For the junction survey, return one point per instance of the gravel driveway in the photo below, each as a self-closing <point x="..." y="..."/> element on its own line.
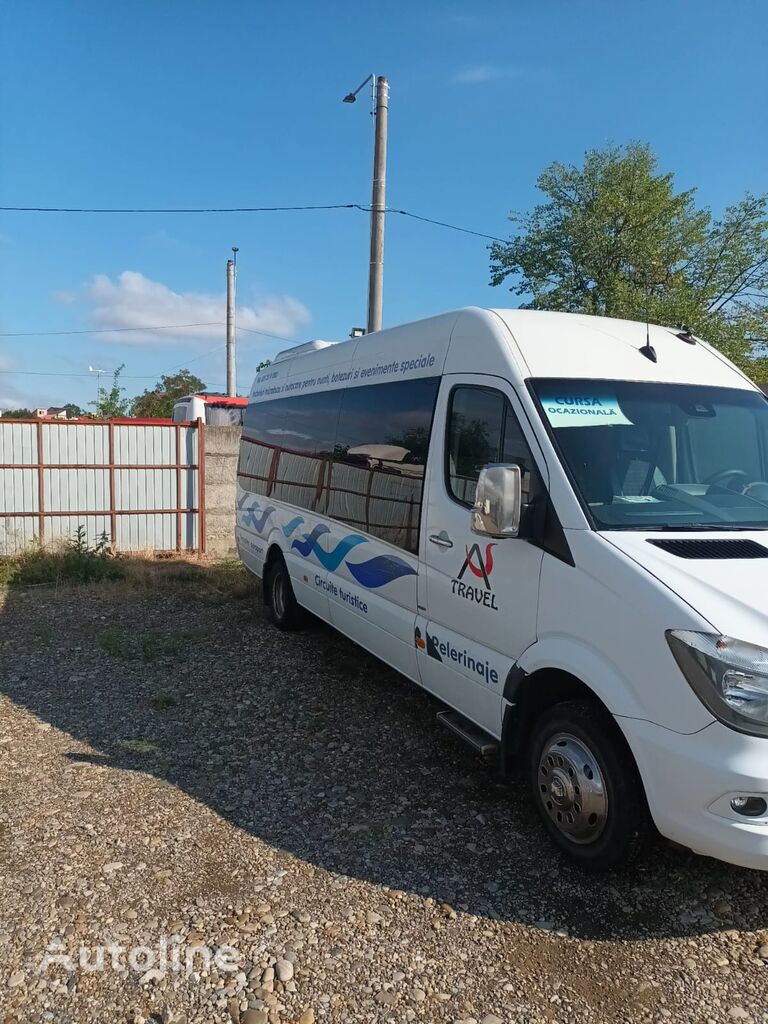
<point x="250" y="828"/>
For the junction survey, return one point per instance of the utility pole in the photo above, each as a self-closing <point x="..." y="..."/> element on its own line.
<point x="378" y="206"/>
<point x="231" y="369"/>
<point x="378" y="197"/>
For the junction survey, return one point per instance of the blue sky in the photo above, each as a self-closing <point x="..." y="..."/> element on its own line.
<point x="191" y="103"/>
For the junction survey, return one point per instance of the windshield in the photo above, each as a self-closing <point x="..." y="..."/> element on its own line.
<point x="662" y="456"/>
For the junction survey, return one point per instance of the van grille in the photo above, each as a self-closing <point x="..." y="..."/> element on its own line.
<point x="699" y="548"/>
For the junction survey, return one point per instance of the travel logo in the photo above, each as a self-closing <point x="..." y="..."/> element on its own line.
<point x="479" y="566"/>
<point x="444" y="650"/>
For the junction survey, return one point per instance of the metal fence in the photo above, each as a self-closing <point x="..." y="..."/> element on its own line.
<point x="139" y="483"/>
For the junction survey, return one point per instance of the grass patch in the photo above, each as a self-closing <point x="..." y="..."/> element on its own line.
<point x="226" y="577"/>
<point x="149" y="646"/>
<point x="76" y="562"/>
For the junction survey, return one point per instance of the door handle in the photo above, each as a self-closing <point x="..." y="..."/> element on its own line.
<point x="441" y="539"/>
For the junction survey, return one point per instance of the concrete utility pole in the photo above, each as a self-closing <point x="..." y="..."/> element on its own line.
<point x="231" y="369"/>
<point x="378" y="198"/>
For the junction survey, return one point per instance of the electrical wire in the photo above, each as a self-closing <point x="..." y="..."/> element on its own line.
<point x="120" y="330"/>
<point x="445" y="224"/>
<point x="106" y="330"/>
<point x="160" y="209"/>
<point x="251" y="209"/>
<point x="265" y="334"/>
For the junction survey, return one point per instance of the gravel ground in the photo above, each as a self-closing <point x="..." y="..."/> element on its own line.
<point x="174" y="771"/>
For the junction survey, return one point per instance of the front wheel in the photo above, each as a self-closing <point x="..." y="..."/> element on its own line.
<point x="586" y="786"/>
<point x="284" y="610"/>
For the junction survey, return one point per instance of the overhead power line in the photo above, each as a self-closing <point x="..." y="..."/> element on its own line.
<point x="265" y="334"/>
<point x="250" y="209"/>
<point x="445" y="224"/>
<point x="120" y="330"/>
<point x="105" y="330"/>
<point x="183" y="209"/>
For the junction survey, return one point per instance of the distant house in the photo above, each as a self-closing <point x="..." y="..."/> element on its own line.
<point x="55" y="412"/>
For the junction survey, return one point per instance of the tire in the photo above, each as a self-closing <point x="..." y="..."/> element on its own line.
<point x="284" y="610"/>
<point x="586" y="786"/>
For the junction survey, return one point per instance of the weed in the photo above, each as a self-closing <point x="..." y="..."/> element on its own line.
<point x="77" y="561"/>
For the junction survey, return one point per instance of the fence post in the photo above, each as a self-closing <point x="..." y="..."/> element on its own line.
<point x="40" y="486"/>
<point x="178" y="487"/>
<point x="112" y="495"/>
<point x="200" y="486"/>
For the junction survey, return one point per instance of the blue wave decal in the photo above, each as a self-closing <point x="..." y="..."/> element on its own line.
<point x="330" y="560"/>
<point x="378" y="571"/>
<point x="306" y="546"/>
<point x="293" y="525"/>
<point x="259" y="522"/>
<point x="251" y="516"/>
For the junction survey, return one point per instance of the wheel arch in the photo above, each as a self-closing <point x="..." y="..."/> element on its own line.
<point x="274" y="552"/>
<point x="528" y="694"/>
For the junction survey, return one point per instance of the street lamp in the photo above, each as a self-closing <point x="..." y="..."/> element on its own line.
<point x="378" y="196"/>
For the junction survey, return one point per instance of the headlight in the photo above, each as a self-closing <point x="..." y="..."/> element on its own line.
<point x="729" y="676"/>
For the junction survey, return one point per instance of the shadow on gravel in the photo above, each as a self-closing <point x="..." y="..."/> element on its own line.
<point x="318" y="749"/>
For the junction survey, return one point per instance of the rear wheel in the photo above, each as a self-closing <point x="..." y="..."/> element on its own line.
<point x="284" y="610"/>
<point x="586" y="786"/>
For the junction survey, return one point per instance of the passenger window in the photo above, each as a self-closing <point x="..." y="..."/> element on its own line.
<point x="482" y="428"/>
<point x="379" y="458"/>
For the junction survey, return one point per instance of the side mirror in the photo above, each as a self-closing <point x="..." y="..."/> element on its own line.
<point x="498" y="501"/>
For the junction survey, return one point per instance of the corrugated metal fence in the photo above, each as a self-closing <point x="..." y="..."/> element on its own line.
<point x="139" y="483"/>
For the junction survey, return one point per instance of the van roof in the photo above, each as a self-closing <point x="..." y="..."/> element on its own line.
<point x="577" y="345"/>
<point x="541" y="344"/>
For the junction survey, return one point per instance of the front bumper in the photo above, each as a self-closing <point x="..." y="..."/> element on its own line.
<point x="689" y="781"/>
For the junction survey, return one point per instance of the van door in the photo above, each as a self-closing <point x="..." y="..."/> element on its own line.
<point x="481" y="594"/>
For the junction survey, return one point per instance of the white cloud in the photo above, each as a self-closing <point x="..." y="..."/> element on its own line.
<point x="479" y="74"/>
<point x="135" y="301"/>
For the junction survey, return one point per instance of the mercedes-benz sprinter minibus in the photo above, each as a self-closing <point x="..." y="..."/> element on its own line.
<point x="557" y="525"/>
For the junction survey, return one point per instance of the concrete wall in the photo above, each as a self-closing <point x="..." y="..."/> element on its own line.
<point x="221" y="452"/>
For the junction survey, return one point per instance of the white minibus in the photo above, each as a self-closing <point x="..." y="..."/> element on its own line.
<point x="556" y="525"/>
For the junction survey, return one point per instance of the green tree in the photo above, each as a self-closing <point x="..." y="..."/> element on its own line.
<point x="614" y="238"/>
<point x="111" y="402"/>
<point x="74" y="412"/>
<point x="17" y="414"/>
<point x="159" y="401"/>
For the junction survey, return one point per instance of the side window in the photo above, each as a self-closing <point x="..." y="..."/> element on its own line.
<point x="483" y="428"/>
<point x="475" y="424"/>
<point x="379" y="458"/>
<point x="287" y="447"/>
<point x="357" y="455"/>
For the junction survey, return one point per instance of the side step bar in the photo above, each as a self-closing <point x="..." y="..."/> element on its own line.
<point x="477" y="738"/>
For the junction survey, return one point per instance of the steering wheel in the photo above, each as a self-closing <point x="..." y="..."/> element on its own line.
<point x="718" y="479"/>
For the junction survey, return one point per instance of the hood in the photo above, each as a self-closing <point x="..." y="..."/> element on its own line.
<point x="730" y="593"/>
